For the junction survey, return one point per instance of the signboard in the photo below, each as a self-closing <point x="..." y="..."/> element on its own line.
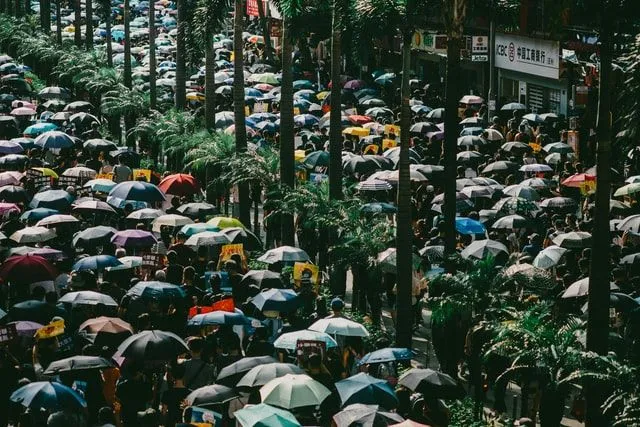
<point x="429" y="42"/>
<point x="53" y="329"/>
<point x="252" y="8"/>
<point x="479" y="45"/>
<point x="8" y="333"/>
<point x="260" y="107"/>
<point x="304" y="271"/>
<point x="142" y="174"/>
<point x="232" y="249"/>
<point x="392" y="129"/>
<point x="305" y="348"/>
<point x="479" y="58"/>
<point x="388" y="143"/>
<point x="526" y="55"/>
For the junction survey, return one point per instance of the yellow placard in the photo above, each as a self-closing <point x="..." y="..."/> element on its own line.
<point x="247" y="110"/>
<point x="142" y="173"/>
<point x="296" y="111"/>
<point x="588" y="186"/>
<point x="105" y="176"/>
<point x="371" y="149"/>
<point x="535" y="147"/>
<point x="228" y="250"/>
<point x="53" y="329"/>
<point x="388" y="143"/>
<point x="304" y="271"/>
<point x="301" y="174"/>
<point x="392" y="129"/>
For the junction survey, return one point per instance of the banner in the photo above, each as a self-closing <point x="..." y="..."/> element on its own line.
<point x="225" y="304"/>
<point x="305" y="272"/>
<point x="8" y="333"/>
<point x="105" y="176"/>
<point x="228" y="250"/>
<point x="142" y="173"/>
<point x="53" y="329"/>
<point x="252" y="8"/>
<point x="305" y="348"/>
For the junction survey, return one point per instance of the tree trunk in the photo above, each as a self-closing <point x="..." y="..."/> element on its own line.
<point x="209" y="81"/>
<point x="238" y="107"/>
<point x="9" y="7"/>
<point x="59" y="24"/>
<point x="404" y="236"/>
<point x="77" y="23"/>
<point x="450" y="143"/>
<point x="127" y="45"/>
<point x="551" y="408"/>
<point x="598" y="320"/>
<point x="107" y="28"/>
<point x="153" y="94"/>
<point x="257" y="192"/>
<point x="181" y="66"/>
<point x="18" y="8"/>
<point x="287" y="146"/>
<point x="335" y="126"/>
<point x="45" y="19"/>
<point x="89" y="23"/>
<point x="264" y="25"/>
<point x="27" y="8"/>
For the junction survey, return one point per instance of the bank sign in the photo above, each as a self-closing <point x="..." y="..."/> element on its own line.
<point x="527" y="55"/>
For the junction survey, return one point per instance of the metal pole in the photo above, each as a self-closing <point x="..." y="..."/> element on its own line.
<point x="492" y="69"/>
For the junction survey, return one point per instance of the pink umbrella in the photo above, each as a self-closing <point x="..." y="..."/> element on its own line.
<point x="10" y="178"/>
<point x="134" y="239"/>
<point x="18" y="103"/>
<point x="23" y="111"/>
<point x="5" y="208"/>
<point x="355" y="84"/>
<point x="26" y="328"/>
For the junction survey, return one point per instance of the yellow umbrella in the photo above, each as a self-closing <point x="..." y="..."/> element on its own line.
<point x="69" y="29"/>
<point x="225" y="222"/>
<point x="46" y="172"/>
<point x="322" y="95"/>
<point x="195" y="96"/>
<point x="299" y="155"/>
<point x="358" y="131"/>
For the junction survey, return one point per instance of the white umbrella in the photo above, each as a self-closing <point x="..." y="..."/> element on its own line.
<point x="57" y="219"/>
<point x="33" y="235"/>
<point x="88" y="298"/>
<point x="293" y="391"/>
<point x="477" y="191"/>
<point x="581" y="288"/>
<point x="480" y="249"/>
<point x="631" y="223"/>
<point x="573" y="240"/>
<point x="208" y="238"/>
<point x="284" y="254"/>
<point x="519" y="190"/>
<point x="536" y="167"/>
<point x="145" y="213"/>
<point x="80" y="171"/>
<point x="339" y="326"/>
<point x="128" y="262"/>
<point x="290" y="340"/>
<point x="549" y="257"/>
<point x="170" y="220"/>
<point x="510" y="222"/>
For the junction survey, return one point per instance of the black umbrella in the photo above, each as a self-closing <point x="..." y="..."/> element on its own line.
<point x="264" y="279"/>
<point x="79" y="106"/>
<point x="198" y="210"/>
<point x="13" y="194"/>
<point x="250" y="241"/>
<point x="211" y="395"/>
<point x="93" y="236"/>
<point x="33" y="310"/>
<point x="431" y="383"/>
<point x="230" y="375"/>
<point x="152" y="345"/>
<point x="78" y="363"/>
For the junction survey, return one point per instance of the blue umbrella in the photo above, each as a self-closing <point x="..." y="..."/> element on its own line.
<point x="302" y="84"/>
<point x="305" y="120"/>
<point x="37" y="214"/>
<point x="385" y="79"/>
<point x="289" y="341"/>
<point x="96" y="263"/>
<point x="54" y="139"/>
<point x="251" y="92"/>
<point x="390" y="354"/>
<point x="158" y="290"/>
<point x="137" y="190"/>
<point x="27" y="143"/>
<point x="39" y="128"/>
<point x="218" y="318"/>
<point x="52" y="199"/>
<point x="469" y="226"/>
<point x="191" y="229"/>
<point x="8" y="147"/>
<point x="263" y="415"/>
<point x="52" y="396"/>
<point x="267" y="126"/>
<point x="378" y="207"/>
<point x="282" y="300"/>
<point x="302" y="104"/>
<point x="365" y="389"/>
<point x="261" y="117"/>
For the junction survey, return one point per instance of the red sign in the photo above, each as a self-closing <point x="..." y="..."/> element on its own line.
<point x="252" y="7"/>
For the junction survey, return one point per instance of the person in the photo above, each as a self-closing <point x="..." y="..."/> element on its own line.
<point x="122" y="172"/>
<point x="173" y="271"/>
<point x="337" y="305"/>
<point x="133" y="393"/>
<point x="173" y="398"/>
<point x="198" y="373"/>
<point x="258" y="344"/>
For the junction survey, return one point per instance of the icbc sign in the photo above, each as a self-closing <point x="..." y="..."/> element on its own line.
<point x="527" y="55"/>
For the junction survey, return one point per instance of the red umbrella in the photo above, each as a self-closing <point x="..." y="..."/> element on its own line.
<point x="25" y="269"/>
<point x="359" y="120"/>
<point x="578" y="180"/>
<point x="179" y="184"/>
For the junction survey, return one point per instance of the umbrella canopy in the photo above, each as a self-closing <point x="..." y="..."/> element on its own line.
<point x="469" y="226"/>
<point x="152" y="345"/>
<point x="510" y="222"/>
<point x="13" y="194"/>
<point x="208" y="238"/>
<point x="54" y="139"/>
<point x="197" y="210"/>
<point x="378" y="207"/>
<point x="92" y="206"/>
<point x="134" y="239"/>
<point x="214" y="394"/>
<point x="101" y="184"/>
<point x="47" y="395"/>
<point x="390" y="354"/>
<point x="573" y="240"/>
<point x="33" y="235"/>
<point x="26" y="269"/>
<point x="580" y="288"/>
<point x="359" y="414"/>
<point x="78" y="363"/>
<point x="280" y="300"/>
<point x="262" y="374"/>
<point x="263" y="415"/>
<point x="88" y="298"/>
<point x="191" y="229"/>
<point x="137" y="190"/>
<point x="107" y="325"/>
<point x="294" y="391"/>
<point x="37" y="214"/>
<point x="480" y="249"/>
<point x="519" y="190"/>
<point x="290" y="340"/>
<point x="57" y="219"/>
<point x="93" y="236"/>
<point x="373" y="185"/>
<point x="223" y="222"/>
<point x="218" y="318"/>
<point x="363" y="388"/>
<point x="99" y="144"/>
<point x="170" y="220"/>
<point x="431" y="383"/>
<point x="145" y="214"/>
<point x="549" y="257"/>
<point x="264" y="279"/>
<point x="52" y="199"/>
<point x="558" y="203"/>
<point x="339" y="326"/>
<point x="284" y="254"/>
<point x="156" y="290"/>
<point x="231" y="374"/>
<point x="96" y="263"/>
<point x="179" y="185"/>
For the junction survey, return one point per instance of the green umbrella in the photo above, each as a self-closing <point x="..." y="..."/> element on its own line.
<point x="294" y="391"/>
<point x="265" y="416"/>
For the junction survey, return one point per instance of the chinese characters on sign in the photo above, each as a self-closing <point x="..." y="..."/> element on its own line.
<point x="527" y="55"/>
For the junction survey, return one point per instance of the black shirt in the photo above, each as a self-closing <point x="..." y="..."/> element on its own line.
<point x="173" y="398"/>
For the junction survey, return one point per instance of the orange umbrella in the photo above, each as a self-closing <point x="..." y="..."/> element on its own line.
<point x="179" y="184"/>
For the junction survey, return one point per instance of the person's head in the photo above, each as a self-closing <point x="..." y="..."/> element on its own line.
<point x="188" y="274"/>
<point x="230" y="266"/>
<point x="144" y="322"/>
<point x="106" y="416"/>
<point x="176" y="371"/>
<point x="315" y="361"/>
<point x="121" y="252"/>
<point x="160" y="276"/>
<point x="38" y="293"/>
<point x="196" y="345"/>
<point x="181" y="237"/>
<point x="172" y="257"/>
<point x="337" y="305"/>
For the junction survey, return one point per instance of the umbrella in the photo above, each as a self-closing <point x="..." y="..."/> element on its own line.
<point x="214" y="394"/>
<point x="471" y="141"/>
<point x="510" y="222"/>
<point x="500" y="166"/>
<point x="363" y="388"/>
<point x="264" y="279"/>
<point x="179" y="185"/>
<point x="57" y="219"/>
<point x="208" y="238"/>
<point x="54" y="139"/>
<point x="13" y="194"/>
<point x="316" y="159"/>
<point x="434" y="253"/>
<point x="8" y="147"/>
<point x="409" y="423"/>
<point x="630" y="223"/>
<point x="263" y="415"/>
<point x="46" y="172"/>
<point x="231" y="374"/>
<point x="294" y="391"/>
<point x="197" y="210"/>
<point x="106" y="325"/>
<point x="477" y="191"/>
<point x="280" y="300"/>
<point x="367" y="164"/>
<point x="365" y="416"/>
<point x="373" y="185"/>
<point x="93" y="206"/>
<point x="145" y="214"/>
<point x="137" y="190"/>
<point x="80" y="172"/>
<point x="88" y="298"/>
<point x="96" y="263"/>
<point x="290" y="340"/>
<point x="37" y="214"/>
<point x="515" y="146"/>
<point x="52" y="199"/>
<point x="99" y="144"/>
<point x="33" y="235"/>
<point x="480" y="249"/>
<point x="83" y="120"/>
<point x="284" y="254"/>
<point x="513" y="106"/>
<point x="515" y="205"/>
<point x="127" y="263"/>
<point x="389" y="354"/>
<point x="581" y="288"/>
<point x="378" y="207"/>
<point x="573" y="240"/>
<point x="519" y="190"/>
<point x="152" y="345"/>
<point x="558" y="203"/>
<point x="431" y="383"/>
<point x="467" y="156"/>
<point x="250" y="241"/>
<point x="26" y="269"/>
<point x="191" y="229"/>
<point x="23" y="112"/>
<point x="10" y="178"/>
<point x="339" y="326"/>
<point x="156" y="290"/>
<point x="387" y="260"/>
<point x="77" y="363"/>
<point x="218" y="318"/>
<point x="54" y="92"/>
<point x="93" y="236"/>
<point x="558" y="147"/>
<point x="223" y="222"/>
<point x="170" y="220"/>
<point x="536" y="168"/>
<point x="549" y="257"/>
<point x="47" y="395"/>
<point x="469" y="226"/>
<point x="133" y="239"/>
<point x="262" y="374"/>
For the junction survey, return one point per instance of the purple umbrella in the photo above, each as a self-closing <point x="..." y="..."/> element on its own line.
<point x="8" y="147"/>
<point x="134" y="239"/>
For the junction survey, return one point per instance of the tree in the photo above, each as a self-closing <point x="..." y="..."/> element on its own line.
<point x="181" y="60"/>
<point x="77" y="23"/>
<point x="153" y="93"/>
<point x="455" y="11"/>
<point x="264" y="25"/>
<point x="244" y="213"/>
<point x="45" y="15"/>
<point x="127" y="44"/>
<point x="335" y="116"/>
<point x="105" y="12"/>
<point x="89" y="24"/>
<point x="287" y="146"/>
<point x="59" y="24"/>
